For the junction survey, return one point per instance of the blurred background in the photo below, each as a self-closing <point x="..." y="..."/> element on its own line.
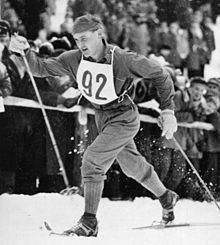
<point x="183" y="36"/>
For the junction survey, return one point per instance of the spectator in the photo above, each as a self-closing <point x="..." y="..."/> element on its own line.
<point x="190" y="106"/>
<point x="10" y="15"/>
<point x="67" y="25"/>
<point x="170" y="40"/>
<point x="162" y="33"/>
<point x="118" y="29"/>
<point x="213" y="87"/>
<point x="138" y="35"/>
<point x="183" y="46"/>
<point x="7" y="120"/>
<point x="42" y="36"/>
<point x="211" y="151"/>
<point x="23" y="130"/>
<point x="201" y="46"/>
<point x="5" y="32"/>
<point x="208" y="36"/>
<point x="165" y="51"/>
<point x="180" y="81"/>
<point x="5" y="85"/>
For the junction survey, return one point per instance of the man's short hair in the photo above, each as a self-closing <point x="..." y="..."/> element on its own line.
<point x="87" y="22"/>
<point x="197" y="80"/>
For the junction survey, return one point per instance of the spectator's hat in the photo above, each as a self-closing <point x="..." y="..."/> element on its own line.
<point x="46" y="49"/>
<point x="5" y="28"/>
<point x="87" y="22"/>
<point x="214" y="80"/>
<point x="198" y="80"/>
<point x="61" y="43"/>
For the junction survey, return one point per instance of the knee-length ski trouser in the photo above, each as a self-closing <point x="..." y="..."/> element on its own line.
<point x="115" y="141"/>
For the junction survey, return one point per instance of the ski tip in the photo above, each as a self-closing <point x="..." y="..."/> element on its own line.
<point x="47" y="226"/>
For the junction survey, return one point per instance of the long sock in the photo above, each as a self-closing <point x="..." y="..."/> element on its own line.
<point x="92" y="195"/>
<point x="154" y="184"/>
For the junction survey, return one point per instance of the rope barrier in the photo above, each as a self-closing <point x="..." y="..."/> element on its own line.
<point x="21" y="102"/>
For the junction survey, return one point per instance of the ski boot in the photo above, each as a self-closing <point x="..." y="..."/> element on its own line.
<point x="168" y="200"/>
<point x="86" y="226"/>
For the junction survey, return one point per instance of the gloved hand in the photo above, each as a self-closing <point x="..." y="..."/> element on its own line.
<point x="18" y="44"/>
<point x="167" y="122"/>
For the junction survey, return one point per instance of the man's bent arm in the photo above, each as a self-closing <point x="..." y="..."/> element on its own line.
<point x="145" y="68"/>
<point x="45" y="67"/>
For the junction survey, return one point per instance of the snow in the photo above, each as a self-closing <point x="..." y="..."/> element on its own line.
<point x="23" y="216"/>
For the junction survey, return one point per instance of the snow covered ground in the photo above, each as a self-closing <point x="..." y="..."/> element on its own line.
<point x="22" y="218"/>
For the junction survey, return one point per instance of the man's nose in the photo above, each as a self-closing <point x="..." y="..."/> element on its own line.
<point x="80" y="45"/>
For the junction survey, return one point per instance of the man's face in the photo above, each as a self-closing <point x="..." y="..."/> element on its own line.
<point x="210" y="108"/>
<point x="213" y="89"/>
<point x="89" y="43"/>
<point x="197" y="90"/>
<point x="174" y="28"/>
<point x="5" y="40"/>
<point x="198" y="16"/>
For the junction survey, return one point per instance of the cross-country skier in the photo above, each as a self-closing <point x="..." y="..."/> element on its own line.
<point x="105" y="75"/>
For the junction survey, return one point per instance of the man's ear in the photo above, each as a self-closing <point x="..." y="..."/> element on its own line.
<point x="100" y="33"/>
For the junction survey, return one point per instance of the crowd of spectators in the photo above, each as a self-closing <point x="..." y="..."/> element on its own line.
<point x="183" y="48"/>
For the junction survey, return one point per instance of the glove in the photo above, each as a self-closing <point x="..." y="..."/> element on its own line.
<point x="18" y="44"/>
<point x="167" y="122"/>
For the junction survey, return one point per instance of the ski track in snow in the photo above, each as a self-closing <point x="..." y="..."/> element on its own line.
<point x="23" y="216"/>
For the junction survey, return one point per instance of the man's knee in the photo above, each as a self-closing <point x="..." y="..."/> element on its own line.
<point x="92" y="172"/>
<point x="139" y="173"/>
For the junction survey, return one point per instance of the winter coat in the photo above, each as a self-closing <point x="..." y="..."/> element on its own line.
<point x="185" y="111"/>
<point x="200" y="49"/>
<point x="212" y="138"/>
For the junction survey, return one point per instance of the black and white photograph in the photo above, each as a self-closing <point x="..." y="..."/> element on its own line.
<point x="109" y="122"/>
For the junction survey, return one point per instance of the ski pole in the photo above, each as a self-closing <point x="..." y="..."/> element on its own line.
<point x="196" y="172"/>
<point x="53" y="140"/>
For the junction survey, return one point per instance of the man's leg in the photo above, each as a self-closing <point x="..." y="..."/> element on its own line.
<point x="134" y="165"/>
<point x="97" y="159"/>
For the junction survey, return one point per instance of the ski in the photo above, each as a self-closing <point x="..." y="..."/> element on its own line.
<point x="161" y="225"/>
<point x="51" y="231"/>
